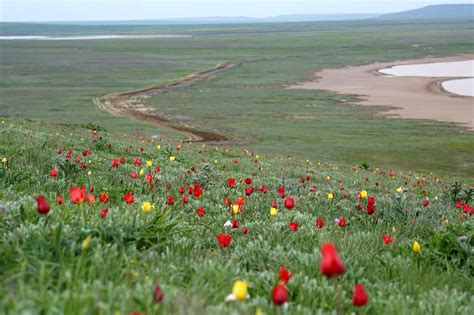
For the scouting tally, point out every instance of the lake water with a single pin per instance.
(464, 70)
(92, 37)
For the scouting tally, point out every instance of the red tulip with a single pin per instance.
(224, 240)
(104, 212)
(185, 199)
(181, 190)
(227, 201)
(248, 191)
(248, 181)
(360, 297)
(77, 195)
(148, 178)
(245, 230)
(59, 199)
(281, 190)
(426, 203)
(128, 197)
(122, 160)
(331, 265)
(137, 162)
(293, 226)
(53, 172)
(231, 182)
(90, 198)
(319, 223)
(104, 198)
(134, 175)
(289, 203)
(68, 154)
(279, 294)
(342, 222)
(43, 206)
(370, 209)
(170, 200)
(284, 275)
(235, 224)
(115, 163)
(387, 239)
(200, 211)
(197, 192)
(158, 294)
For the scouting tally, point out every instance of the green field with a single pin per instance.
(57, 81)
(402, 187)
(49, 267)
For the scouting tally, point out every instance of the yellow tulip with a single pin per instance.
(363, 194)
(416, 247)
(235, 209)
(149, 163)
(330, 196)
(394, 229)
(4, 160)
(89, 173)
(274, 212)
(158, 147)
(86, 242)
(399, 190)
(146, 206)
(142, 172)
(258, 311)
(172, 158)
(240, 289)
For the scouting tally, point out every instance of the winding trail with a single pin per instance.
(129, 104)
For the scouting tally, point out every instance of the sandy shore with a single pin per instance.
(412, 97)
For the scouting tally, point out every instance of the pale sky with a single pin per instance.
(88, 10)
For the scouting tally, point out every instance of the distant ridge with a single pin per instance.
(228, 20)
(443, 11)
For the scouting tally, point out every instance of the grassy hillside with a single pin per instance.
(108, 256)
(57, 81)
(444, 11)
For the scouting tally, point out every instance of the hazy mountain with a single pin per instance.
(443, 11)
(230, 20)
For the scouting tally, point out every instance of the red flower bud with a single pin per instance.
(360, 297)
(43, 206)
(331, 265)
(279, 294)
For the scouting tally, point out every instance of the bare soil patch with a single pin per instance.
(411, 97)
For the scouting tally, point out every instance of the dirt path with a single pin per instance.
(412, 97)
(129, 103)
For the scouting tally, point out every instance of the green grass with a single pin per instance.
(45, 270)
(56, 81)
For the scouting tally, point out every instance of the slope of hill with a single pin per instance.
(445, 11)
(122, 226)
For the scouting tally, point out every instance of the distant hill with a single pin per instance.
(444, 11)
(230, 20)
